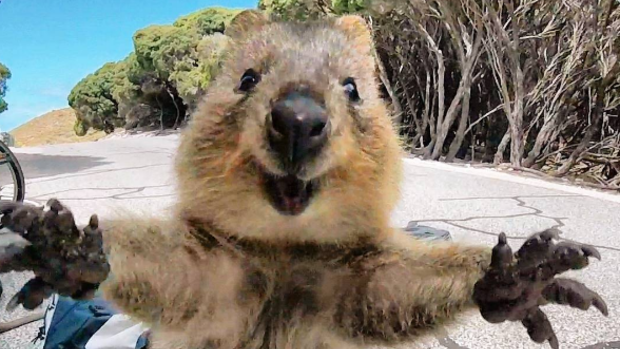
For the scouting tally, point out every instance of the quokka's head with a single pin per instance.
(292, 141)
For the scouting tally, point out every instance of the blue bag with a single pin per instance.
(71, 324)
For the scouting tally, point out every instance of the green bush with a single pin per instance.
(208, 21)
(5, 74)
(93, 101)
(159, 83)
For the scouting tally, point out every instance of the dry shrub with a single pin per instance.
(479, 79)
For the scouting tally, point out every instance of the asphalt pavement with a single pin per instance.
(474, 205)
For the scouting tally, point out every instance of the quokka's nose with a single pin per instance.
(297, 129)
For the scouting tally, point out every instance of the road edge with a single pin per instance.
(514, 178)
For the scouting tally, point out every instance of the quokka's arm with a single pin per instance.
(152, 269)
(190, 290)
(405, 290)
(411, 287)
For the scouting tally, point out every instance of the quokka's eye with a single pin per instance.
(249, 79)
(350, 88)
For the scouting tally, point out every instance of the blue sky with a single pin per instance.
(50, 45)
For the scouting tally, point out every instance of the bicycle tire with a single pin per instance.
(16, 171)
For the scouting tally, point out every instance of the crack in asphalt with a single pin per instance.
(449, 343)
(536, 212)
(604, 345)
(159, 151)
(119, 196)
(510, 197)
(88, 173)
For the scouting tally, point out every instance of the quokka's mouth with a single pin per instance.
(289, 194)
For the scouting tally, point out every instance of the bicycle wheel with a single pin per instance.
(16, 189)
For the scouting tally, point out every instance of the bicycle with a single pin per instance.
(15, 191)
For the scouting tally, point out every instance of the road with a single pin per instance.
(474, 205)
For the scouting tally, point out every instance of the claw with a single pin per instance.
(65, 220)
(54, 205)
(550, 234)
(591, 251)
(553, 341)
(575, 294)
(536, 249)
(600, 304)
(540, 254)
(49, 218)
(31, 295)
(13, 303)
(502, 253)
(22, 220)
(539, 328)
(568, 255)
(12, 247)
(93, 223)
(502, 240)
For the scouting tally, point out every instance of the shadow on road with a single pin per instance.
(39, 165)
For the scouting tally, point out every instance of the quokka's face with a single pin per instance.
(309, 126)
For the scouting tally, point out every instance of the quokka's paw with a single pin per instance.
(65, 259)
(516, 285)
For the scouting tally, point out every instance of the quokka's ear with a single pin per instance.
(356, 29)
(245, 22)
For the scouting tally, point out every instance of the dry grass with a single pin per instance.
(55, 127)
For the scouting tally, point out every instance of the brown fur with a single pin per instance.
(229, 271)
